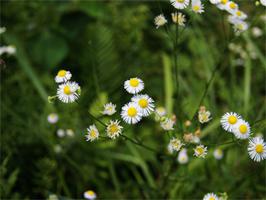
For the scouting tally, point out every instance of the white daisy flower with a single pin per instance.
(200, 151)
(10, 50)
(210, 196)
(167, 124)
(257, 149)
(53, 197)
(197, 6)
(70, 133)
(57, 148)
(256, 32)
(175, 144)
(180, 4)
(215, 1)
(109, 109)
(145, 104)
(263, 2)
(170, 149)
(2, 30)
(182, 156)
(63, 76)
(195, 139)
(134, 85)
(222, 4)
(241, 129)
(52, 118)
(60, 133)
(161, 111)
(131, 113)
(92, 134)
(204, 115)
(178, 18)
(240, 26)
(231, 7)
(240, 15)
(160, 20)
(228, 120)
(67, 92)
(89, 194)
(113, 129)
(218, 154)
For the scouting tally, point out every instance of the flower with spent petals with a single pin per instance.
(160, 20)
(109, 109)
(200, 151)
(175, 144)
(113, 129)
(167, 124)
(178, 18)
(204, 115)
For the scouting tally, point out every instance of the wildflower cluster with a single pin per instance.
(113, 129)
(67, 91)
(10, 49)
(141, 105)
(236, 16)
(233, 123)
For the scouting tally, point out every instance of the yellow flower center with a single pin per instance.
(238, 13)
(200, 150)
(243, 128)
(113, 128)
(232, 5)
(93, 133)
(211, 198)
(67, 90)
(259, 148)
(62, 73)
(134, 82)
(90, 193)
(224, 1)
(240, 26)
(180, 1)
(232, 119)
(196, 8)
(143, 103)
(132, 112)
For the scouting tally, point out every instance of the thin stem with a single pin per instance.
(224, 55)
(135, 141)
(139, 143)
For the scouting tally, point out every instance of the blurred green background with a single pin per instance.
(103, 43)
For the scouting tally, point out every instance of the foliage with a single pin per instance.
(103, 43)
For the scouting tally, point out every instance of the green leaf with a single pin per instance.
(49, 50)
